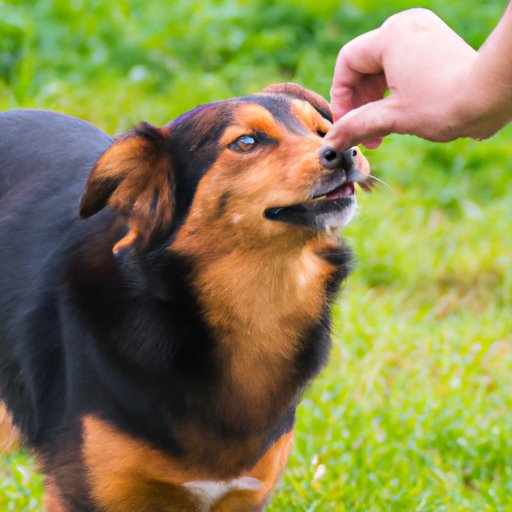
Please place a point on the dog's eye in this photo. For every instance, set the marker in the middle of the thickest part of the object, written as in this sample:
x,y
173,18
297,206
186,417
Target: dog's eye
x,y
321,133
244,143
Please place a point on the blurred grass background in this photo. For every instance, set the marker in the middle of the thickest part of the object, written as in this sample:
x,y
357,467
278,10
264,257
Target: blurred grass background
x,y
414,412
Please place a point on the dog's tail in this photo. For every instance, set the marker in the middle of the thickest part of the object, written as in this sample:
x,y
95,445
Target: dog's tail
x,y
9,436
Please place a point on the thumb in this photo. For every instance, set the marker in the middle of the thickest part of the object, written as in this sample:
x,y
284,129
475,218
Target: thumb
x,y
366,124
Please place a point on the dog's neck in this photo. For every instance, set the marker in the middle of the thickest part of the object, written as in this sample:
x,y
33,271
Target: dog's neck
x,y
265,308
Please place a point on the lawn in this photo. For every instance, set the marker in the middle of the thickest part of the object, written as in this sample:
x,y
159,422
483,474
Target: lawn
x,y
414,411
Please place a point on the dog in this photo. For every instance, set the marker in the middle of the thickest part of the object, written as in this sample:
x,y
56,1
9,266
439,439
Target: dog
x,y
165,297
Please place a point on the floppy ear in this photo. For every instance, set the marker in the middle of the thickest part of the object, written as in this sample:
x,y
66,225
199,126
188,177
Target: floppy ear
x,y
297,91
134,178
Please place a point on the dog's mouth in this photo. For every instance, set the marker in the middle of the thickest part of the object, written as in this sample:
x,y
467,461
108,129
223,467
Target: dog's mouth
x,y
333,207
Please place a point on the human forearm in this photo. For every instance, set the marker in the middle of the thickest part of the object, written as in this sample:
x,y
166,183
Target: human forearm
x,y
488,93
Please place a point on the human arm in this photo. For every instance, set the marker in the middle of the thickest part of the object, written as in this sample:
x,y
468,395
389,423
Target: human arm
x,y
439,87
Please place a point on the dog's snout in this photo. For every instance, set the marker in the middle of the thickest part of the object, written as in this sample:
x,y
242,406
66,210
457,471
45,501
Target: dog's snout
x,y
331,159
350,162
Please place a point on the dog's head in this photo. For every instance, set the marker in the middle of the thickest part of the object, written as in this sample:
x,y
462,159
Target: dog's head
x,y
257,165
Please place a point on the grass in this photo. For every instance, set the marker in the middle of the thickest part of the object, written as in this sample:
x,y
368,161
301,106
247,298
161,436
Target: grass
x,y
414,411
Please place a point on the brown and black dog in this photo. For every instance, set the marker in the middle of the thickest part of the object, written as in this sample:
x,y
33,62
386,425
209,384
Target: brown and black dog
x,y
152,353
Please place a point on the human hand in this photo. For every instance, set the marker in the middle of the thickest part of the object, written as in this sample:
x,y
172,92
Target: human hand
x,y
427,68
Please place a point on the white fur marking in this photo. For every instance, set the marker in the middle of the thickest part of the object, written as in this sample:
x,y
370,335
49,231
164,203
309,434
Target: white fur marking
x,y
211,491
341,219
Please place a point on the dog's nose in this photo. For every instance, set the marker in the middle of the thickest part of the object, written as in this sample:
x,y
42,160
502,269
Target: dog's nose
x,y
332,159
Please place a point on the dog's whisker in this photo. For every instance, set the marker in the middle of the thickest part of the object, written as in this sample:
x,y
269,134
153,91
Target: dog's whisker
x,y
382,182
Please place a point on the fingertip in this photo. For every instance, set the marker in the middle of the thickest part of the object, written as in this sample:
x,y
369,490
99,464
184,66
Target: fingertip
x,y
365,125
338,139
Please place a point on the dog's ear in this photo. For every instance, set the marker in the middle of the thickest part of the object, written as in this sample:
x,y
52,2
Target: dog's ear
x,y
297,91
134,177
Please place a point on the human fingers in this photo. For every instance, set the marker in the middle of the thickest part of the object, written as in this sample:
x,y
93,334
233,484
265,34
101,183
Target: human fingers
x,y
366,124
357,60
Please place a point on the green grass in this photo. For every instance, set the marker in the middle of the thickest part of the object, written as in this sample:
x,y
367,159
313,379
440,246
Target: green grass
x,y
414,411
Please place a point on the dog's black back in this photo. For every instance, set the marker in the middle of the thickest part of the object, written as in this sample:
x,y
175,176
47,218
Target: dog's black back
x,y
45,160
56,142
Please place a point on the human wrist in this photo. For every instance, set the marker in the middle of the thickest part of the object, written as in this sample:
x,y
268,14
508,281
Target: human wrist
x,y
486,97
478,109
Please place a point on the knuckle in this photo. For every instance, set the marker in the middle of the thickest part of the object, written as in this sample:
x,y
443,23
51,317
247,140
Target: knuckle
x,y
346,50
412,20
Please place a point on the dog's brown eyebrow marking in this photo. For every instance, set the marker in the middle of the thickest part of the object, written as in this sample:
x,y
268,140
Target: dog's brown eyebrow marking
x,y
250,118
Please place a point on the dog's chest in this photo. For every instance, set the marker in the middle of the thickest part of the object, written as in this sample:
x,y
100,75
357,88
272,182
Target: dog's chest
x,y
127,475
